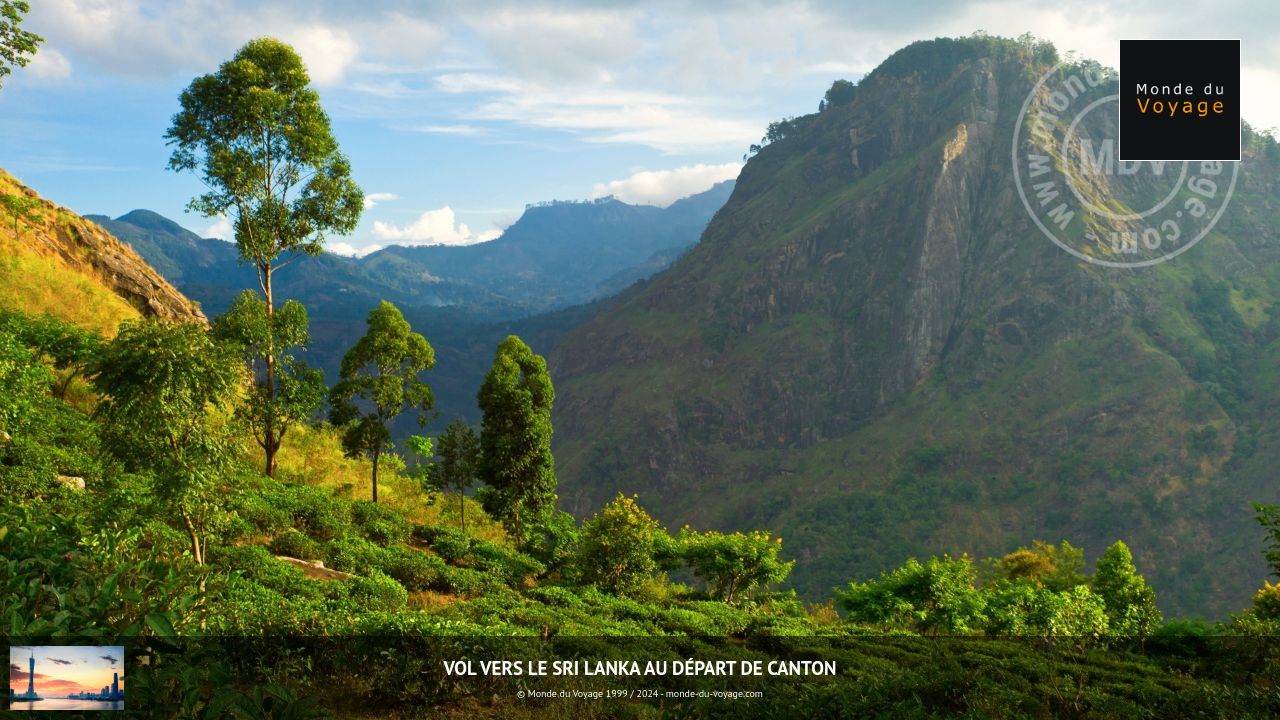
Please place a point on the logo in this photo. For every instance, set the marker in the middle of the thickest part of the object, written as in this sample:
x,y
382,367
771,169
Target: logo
x,y
1097,207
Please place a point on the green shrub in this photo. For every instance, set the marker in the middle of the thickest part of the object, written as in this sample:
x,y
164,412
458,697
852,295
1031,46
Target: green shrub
x,y
354,554
255,563
511,565
415,570
380,523
378,591
464,581
448,543
296,545
265,514
315,511
617,547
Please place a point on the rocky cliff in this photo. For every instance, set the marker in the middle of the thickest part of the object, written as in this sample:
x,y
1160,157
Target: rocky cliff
x,y
59,248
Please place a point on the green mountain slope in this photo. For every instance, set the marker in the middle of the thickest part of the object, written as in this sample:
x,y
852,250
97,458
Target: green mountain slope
x,y
874,351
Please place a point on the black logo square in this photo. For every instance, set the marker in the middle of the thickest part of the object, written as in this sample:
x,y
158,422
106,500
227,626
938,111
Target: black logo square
x,y
1179,99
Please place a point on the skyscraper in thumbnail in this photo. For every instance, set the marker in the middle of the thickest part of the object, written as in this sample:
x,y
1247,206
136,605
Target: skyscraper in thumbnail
x,y
30,694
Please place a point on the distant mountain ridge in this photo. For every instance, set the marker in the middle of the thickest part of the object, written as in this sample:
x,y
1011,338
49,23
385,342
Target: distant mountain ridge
x,y
604,244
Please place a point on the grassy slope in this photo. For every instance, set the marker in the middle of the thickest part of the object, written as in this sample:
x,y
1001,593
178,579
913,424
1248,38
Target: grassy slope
x,y
38,283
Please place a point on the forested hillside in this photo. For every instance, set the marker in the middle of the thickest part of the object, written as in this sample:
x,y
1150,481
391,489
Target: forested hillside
x,y
875,352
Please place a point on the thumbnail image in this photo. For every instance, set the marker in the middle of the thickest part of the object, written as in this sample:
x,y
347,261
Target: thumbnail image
x,y
66,677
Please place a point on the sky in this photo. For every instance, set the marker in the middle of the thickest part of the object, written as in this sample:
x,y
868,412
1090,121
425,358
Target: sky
x,y
61,671
456,115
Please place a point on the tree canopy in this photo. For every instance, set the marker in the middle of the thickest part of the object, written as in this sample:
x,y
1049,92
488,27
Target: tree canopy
x,y
16,45
515,436
379,380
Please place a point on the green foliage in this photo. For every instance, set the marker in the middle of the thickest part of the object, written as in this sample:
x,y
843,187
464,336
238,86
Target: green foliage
x,y
16,45
1269,519
295,392
256,133
458,449
296,545
515,437
1130,602
20,208
22,381
158,384
378,381
69,347
935,596
378,592
1057,568
733,565
841,92
1266,602
58,576
554,541
617,546
415,570
382,525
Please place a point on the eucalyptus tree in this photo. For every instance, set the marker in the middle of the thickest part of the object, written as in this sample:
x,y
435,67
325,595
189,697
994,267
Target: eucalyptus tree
x,y
263,146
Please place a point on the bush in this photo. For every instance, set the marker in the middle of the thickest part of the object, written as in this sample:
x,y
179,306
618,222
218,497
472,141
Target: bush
x,y
378,591
354,554
314,510
617,547
448,543
414,570
262,512
296,545
733,564
464,581
255,563
513,566
380,523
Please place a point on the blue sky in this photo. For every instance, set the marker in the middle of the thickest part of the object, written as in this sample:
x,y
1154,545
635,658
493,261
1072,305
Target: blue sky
x,y
455,116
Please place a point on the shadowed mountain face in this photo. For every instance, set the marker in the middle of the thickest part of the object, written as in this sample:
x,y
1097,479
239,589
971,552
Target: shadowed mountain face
x,y
876,352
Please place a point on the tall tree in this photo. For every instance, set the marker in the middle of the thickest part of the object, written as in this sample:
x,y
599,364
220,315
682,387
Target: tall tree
x,y
262,143
160,384
16,45
458,448
378,381
1130,602
515,436
299,389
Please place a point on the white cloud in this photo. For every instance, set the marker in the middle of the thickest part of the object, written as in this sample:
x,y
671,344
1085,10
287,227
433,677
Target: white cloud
x,y
663,187
466,130
555,45
49,64
349,250
326,51
434,227
372,199
667,122
221,229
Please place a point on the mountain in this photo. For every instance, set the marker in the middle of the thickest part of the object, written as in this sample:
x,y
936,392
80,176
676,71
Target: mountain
x,y
605,242
875,351
59,263
210,271
465,300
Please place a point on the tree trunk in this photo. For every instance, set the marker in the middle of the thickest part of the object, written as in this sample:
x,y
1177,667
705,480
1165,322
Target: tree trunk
x,y
462,510
270,443
376,453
